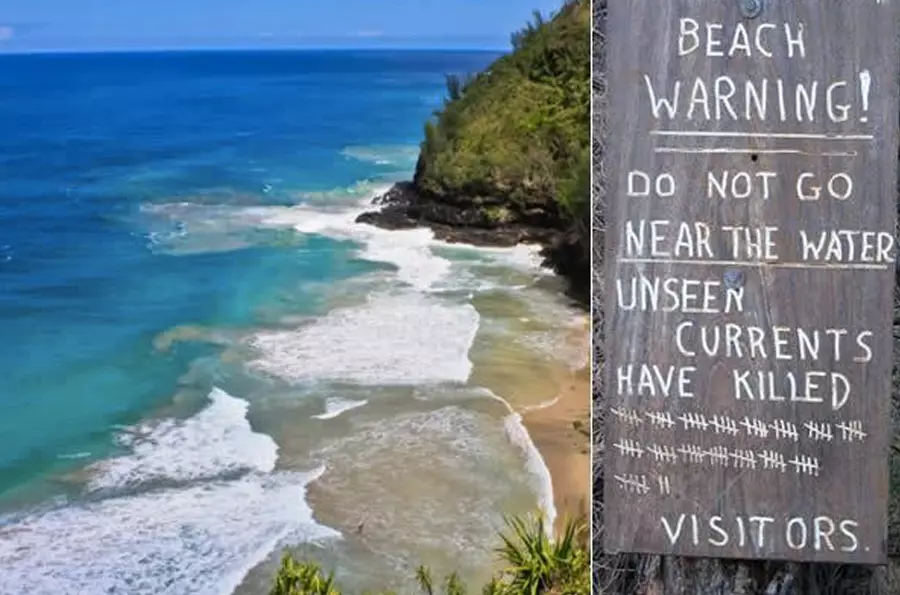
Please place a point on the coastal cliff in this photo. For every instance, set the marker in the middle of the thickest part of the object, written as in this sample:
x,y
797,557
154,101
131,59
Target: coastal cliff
x,y
507,158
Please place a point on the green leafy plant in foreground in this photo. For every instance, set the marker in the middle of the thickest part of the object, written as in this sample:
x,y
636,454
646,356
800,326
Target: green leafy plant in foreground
x,y
296,578
538,564
534,564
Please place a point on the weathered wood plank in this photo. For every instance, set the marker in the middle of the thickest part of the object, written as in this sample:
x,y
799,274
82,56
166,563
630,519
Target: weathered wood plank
x,y
748,336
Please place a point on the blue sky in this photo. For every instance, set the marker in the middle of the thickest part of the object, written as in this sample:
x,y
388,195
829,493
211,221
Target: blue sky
x,y
67,25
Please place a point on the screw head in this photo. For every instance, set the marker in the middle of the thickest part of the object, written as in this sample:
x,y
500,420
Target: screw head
x,y
750,8
734,279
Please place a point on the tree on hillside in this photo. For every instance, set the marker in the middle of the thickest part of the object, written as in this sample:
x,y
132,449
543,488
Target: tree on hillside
x,y
517,131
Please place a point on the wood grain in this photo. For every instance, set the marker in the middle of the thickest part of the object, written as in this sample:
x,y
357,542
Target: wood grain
x,y
851,484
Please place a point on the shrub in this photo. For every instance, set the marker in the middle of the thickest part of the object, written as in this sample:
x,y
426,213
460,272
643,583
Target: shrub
x,y
533,565
520,130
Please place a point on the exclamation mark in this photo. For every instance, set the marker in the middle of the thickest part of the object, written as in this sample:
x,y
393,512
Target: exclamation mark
x,y
865,85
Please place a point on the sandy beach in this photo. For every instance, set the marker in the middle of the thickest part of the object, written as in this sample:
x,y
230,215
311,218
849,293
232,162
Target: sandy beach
x,y
534,366
561,433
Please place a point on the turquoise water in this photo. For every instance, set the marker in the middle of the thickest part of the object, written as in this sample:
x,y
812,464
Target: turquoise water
x,y
91,142
197,334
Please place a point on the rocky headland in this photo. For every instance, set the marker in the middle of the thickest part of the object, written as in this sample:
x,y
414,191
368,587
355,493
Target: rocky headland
x,y
489,222
506,159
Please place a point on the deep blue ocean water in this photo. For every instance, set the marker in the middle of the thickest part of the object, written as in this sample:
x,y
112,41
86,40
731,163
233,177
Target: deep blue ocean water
x,y
87,140
193,328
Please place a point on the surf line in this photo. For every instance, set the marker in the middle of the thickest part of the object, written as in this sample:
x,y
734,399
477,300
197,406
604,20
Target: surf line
x,y
539,406
535,463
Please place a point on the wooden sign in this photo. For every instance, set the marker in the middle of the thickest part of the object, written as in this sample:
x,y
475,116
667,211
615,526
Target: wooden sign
x,y
752,156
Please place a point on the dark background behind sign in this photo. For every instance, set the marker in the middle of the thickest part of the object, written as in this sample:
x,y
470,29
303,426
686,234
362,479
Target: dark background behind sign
x,y
841,41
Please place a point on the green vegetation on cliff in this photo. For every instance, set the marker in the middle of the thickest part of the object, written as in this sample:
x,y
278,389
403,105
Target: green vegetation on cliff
x,y
534,565
518,134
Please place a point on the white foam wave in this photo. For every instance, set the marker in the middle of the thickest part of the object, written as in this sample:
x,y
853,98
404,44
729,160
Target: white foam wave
x,y
543,405
334,407
332,221
522,257
410,250
200,540
399,339
217,441
534,462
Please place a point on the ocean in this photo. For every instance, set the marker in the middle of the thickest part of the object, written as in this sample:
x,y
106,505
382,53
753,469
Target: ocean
x,y
205,360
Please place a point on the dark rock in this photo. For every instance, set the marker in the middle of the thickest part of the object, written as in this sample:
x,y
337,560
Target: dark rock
x,y
568,254
488,221
453,216
393,216
401,193
499,237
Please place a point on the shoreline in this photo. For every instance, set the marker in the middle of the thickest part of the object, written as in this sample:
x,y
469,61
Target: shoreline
x,y
402,206
561,433
553,407
561,430
558,428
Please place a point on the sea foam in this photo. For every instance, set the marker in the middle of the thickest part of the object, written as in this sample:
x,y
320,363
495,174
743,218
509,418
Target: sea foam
x,y
334,407
409,250
200,540
534,461
391,339
225,513
216,442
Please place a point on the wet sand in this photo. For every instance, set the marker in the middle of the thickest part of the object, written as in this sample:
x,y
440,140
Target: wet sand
x,y
552,396
561,433
554,400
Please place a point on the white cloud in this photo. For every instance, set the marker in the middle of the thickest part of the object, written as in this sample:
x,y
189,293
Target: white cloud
x,y
6,32
371,33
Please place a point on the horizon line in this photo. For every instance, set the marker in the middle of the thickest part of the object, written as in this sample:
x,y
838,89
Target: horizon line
x,y
215,49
